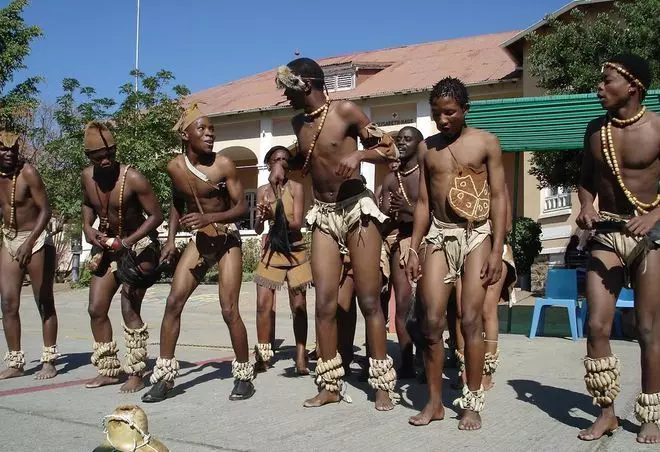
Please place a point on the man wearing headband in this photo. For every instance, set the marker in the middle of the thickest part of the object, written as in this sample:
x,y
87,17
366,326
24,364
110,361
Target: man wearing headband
x,y
284,257
344,220
128,213
26,248
207,198
621,170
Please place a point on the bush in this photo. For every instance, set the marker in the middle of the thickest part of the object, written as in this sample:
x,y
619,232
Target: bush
x,y
525,240
251,254
84,278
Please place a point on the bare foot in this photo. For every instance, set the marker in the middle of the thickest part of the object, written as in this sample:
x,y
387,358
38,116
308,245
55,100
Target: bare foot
x,y
487,382
133,384
383,401
322,398
301,362
604,425
649,434
47,371
429,414
261,366
102,381
11,372
470,421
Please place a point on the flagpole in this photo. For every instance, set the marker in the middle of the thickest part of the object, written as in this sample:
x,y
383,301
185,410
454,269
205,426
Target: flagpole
x,y
137,44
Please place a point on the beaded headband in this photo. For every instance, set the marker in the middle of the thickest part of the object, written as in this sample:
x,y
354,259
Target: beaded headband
x,y
625,73
285,78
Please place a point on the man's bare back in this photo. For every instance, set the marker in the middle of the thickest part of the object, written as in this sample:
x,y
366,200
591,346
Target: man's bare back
x,y
471,150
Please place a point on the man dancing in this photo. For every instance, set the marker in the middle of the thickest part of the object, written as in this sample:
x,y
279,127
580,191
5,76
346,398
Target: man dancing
x,y
461,168
119,196
343,220
399,194
207,186
26,248
621,168
283,258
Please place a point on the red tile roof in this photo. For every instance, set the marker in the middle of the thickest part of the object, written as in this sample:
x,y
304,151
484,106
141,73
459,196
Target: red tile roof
x,y
474,60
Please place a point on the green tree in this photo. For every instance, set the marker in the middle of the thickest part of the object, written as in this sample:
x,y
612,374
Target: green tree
x,y
15,40
141,122
566,57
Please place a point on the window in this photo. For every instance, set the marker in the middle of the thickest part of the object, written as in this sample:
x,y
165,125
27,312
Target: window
x,y
340,82
556,198
247,223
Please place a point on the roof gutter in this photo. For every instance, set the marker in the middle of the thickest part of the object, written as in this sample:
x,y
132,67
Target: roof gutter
x,y
354,98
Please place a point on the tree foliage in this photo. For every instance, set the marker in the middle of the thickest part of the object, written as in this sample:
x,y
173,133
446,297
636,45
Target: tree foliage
x,y
141,123
567,56
15,39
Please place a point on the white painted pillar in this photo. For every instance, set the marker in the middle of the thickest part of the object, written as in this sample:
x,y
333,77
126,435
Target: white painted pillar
x,y
265,143
424,121
368,170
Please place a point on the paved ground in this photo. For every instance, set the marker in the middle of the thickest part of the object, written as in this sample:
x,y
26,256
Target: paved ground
x,y
539,401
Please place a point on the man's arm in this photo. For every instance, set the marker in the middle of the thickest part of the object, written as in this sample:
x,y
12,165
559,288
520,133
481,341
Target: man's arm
x,y
587,187
379,147
89,216
498,198
259,220
38,192
421,218
298,206
239,208
150,205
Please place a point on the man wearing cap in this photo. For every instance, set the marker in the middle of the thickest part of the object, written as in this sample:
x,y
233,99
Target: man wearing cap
x,y
284,257
207,198
128,213
344,220
26,248
621,170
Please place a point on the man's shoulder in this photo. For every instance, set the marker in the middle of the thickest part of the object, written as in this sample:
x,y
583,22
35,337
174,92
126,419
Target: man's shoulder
x,y
175,163
433,141
87,172
224,163
388,180
482,135
347,109
595,124
134,175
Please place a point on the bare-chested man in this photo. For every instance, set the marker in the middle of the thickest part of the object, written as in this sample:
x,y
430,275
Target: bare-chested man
x,y
621,168
26,248
399,195
343,219
207,187
283,258
119,196
461,185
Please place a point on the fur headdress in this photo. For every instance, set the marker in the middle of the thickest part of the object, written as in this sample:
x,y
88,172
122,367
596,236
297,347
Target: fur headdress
x,y
8,139
286,78
97,136
190,115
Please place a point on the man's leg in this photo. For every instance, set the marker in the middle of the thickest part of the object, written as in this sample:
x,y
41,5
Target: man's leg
x,y
104,356
186,277
364,244
326,272
346,321
230,276
473,293
647,312
491,330
604,281
298,303
434,294
403,297
12,281
42,274
136,336
263,350
459,340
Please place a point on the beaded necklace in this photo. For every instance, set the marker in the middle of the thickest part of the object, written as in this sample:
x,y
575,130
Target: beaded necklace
x,y
104,221
607,144
12,231
323,110
401,187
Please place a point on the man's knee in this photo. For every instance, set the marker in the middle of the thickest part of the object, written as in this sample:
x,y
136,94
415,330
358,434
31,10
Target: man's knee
x,y
174,305
434,327
599,328
230,313
97,311
10,304
370,305
264,306
648,334
471,322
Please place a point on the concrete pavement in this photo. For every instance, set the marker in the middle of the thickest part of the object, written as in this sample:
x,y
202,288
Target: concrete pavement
x,y
539,401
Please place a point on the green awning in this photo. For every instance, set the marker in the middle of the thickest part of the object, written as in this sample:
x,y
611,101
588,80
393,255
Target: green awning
x,y
547,123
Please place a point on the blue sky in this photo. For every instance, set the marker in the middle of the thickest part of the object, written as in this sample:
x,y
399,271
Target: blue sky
x,y
210,43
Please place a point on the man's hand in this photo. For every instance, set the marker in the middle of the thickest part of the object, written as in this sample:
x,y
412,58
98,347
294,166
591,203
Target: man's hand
x,y
492,268
277,176
349,165
168,252
587,217
94,237
642,225
24,254
195,220
265,212
413,269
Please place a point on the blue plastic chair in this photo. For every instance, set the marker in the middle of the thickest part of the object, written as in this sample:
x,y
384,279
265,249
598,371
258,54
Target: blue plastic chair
x,y
561,291
626,300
